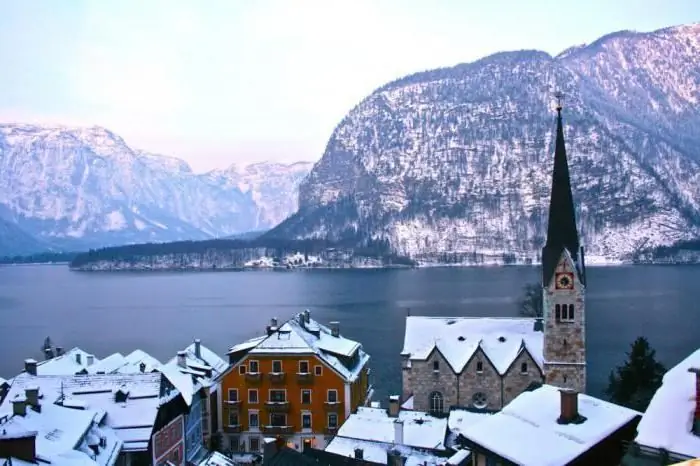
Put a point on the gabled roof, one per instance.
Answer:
(132, 420)
(531, 419)
(129, 364)
(668, 420)
(69, 363)
(64, 435)
(299, 336)
(458, 338)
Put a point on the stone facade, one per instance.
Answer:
(478, 385)
(565, 340)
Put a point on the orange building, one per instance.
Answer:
(299, 382)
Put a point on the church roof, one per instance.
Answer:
(457, 338)
(561, 227)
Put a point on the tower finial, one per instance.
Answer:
(560, 97)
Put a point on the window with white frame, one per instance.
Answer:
(253, 419)
(233, 418)
(253, 396)
(233, 395)
(277, 366)
(306, 420)
(303, 367)
(318, 370)
(254, 444)
(332, 420)
(306, 397)
(278, 396)
(253, 366)
(241, 369)
(332, 396)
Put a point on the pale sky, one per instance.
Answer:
(236, 81)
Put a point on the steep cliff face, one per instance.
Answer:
(75, 188)
(456, 163)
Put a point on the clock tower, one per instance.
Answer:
(563, 281)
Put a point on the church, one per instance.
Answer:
(485, 363)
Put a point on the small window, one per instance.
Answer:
(306, 397)
(233, 395)
(332, 420)
(333, 396)
(436, 365)
(233, 417)
(557, 312)
(565, 343)
(565, 378)
(253, 419)
(318, 370)
(479, 367)
(303, 367)
(253, 395)
(523, 368)
(437, 405)
(479, 400)
(571, 312)
(306, 420)
(253, 367)
(241, 369)
(278, 420)
(278, 396)
(277, 367)
(254, 444)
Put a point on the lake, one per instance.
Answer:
(163, 312)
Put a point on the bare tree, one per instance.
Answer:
(531, 305)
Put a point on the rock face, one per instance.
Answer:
(455, 164)
(75, 188)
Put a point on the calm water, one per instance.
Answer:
(162, 312)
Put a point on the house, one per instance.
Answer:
(116, 363)
(39, 431)
(669, 431)
(59, 363)
(487, 362)
(381, 436)
(550, 426)
(300, 381)
(144, 409)
(194, 372)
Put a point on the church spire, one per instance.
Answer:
(561, 229)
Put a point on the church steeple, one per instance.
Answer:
(561, 229)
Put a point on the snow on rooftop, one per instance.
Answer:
(420, 430)
(376, 452)
(668, 420)
(134, 360)
(205, 368)
(217, 459)
(296, 336)
(69, 363)
(459, 419)
(458, 457)
(531, 419)
(108, 365)
(457, 338)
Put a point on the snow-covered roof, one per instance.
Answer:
(64, 435)
(420, 430)
(297, 336)
(531, 419)
(69, 363)
(376, 452)
(132, 420)
(459, 419)
(457, 338)
(408, 404)
(129, 364)
(217, 459)
(668, 420)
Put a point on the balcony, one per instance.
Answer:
(330, 430)
(253, 377)
(332, 406)
(276, 377)
(278, 430)
(277, 406)
(232, 429)
(230, 404)
(305, 378)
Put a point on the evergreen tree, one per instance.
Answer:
(531, 304)
(634, 383)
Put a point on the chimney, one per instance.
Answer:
(394, 405)
(270, 449)
(569, 406)
(142, 366)
(90, 359)
(48, 353)
(21, 447)
(78, 358)
(398, 432)
(30, 366)
(32, 394)
(696, 415)
(394, 458)
(19, 406)
(273, 322)
(301, 318)
(539, 325)
(359, 454)
(59, 351)
(335, 328)
(307, 316)
(198, 348)
(182, 358)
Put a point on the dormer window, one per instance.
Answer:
(436, 365)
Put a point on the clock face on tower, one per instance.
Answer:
(564, 281)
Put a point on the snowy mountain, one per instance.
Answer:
(455, 163)
(85, 187)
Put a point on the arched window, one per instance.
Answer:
(479, 400)
(437, 404)
(557, 311)
(571, 312)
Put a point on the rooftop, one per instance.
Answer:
(668, 420)
(531, 419)
(69, 363)
(303, 335)
(129, 364)
(457, 338)
(376, 452)
(461, 419)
